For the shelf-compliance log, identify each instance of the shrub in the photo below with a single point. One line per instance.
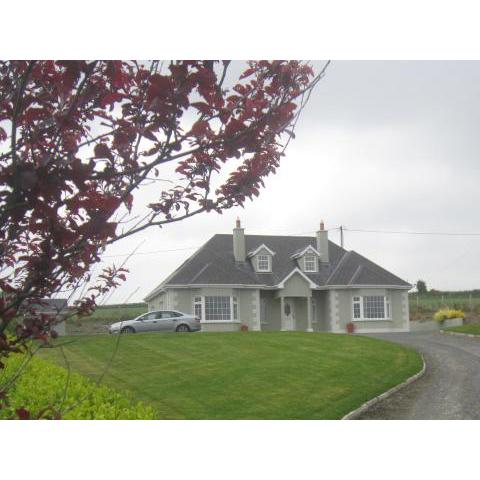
(446, 313)
(44, 389)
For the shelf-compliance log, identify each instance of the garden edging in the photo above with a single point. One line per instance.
(459, 334)
(363, 408)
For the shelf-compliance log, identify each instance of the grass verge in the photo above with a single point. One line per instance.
(472, 328)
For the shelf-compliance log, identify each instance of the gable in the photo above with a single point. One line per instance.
(296, 286)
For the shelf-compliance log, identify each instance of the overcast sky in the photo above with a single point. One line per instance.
(381, 146)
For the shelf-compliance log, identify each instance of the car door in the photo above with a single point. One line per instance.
(167, 321)
(147, 322)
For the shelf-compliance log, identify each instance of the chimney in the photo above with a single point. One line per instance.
(239, 242)
(322, 243)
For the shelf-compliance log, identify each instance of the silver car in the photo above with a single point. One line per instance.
(158, 321)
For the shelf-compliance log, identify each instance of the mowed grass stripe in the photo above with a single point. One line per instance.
(275, 375)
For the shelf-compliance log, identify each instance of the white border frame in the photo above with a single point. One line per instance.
(204, 320)
(386, 301)
(269, 258)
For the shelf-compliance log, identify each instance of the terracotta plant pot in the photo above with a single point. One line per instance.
(244, 328)
(350, 327)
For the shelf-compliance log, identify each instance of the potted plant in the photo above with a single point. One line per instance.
(350, 327)
(244, 328)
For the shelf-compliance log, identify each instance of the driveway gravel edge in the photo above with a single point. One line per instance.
(364, 407)
(459, 334)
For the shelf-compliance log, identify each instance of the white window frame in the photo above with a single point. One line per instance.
(315, 262)
(358, 300)
(234, 309)
(269, 263)
(198, 300)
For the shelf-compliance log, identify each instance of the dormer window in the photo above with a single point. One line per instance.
(310, 262)
(264, 263)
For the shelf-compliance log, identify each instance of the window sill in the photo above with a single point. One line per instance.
(220, 321)
(372, 320)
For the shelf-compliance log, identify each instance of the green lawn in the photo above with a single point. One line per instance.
(473, 328)
(274, 375)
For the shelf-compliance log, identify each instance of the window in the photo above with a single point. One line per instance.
(150, 316)
(356, 308)
(310, 262)
(235, 308)
(170, 314)
(197, 307)
(263, 263)
(374, 307)
(371, 307)
(217, 308)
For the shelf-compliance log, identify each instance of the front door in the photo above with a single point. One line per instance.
(288, 314)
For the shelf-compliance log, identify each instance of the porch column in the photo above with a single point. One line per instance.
(282, 310)
(309, 314)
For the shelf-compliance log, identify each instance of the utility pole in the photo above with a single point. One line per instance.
(341, 236)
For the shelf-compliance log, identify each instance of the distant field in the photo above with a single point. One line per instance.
(467, 301)
(117, 313)
(104, 315)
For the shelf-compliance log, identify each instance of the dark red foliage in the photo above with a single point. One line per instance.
(77, 138)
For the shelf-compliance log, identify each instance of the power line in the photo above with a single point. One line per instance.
(184, 249)
(455, 234)
(341, 228)
(149, 253)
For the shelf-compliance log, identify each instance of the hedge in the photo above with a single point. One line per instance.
(46, 390)
(446, 313)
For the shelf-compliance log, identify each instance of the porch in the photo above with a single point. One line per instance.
(293, 313)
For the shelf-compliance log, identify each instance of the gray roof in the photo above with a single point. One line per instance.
(49, 305)
(214, 263)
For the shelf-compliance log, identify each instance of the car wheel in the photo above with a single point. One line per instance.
(182, 328)
(127, 330)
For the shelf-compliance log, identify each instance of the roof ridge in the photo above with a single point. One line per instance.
(388, 272)
(340, 262)
(356, 274)
(199, 272)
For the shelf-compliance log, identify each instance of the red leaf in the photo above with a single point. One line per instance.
(22, 414)
(148, 134)
(200, 128)
(102, 151)
(110, 99)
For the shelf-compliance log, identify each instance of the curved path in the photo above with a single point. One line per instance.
(450, 388)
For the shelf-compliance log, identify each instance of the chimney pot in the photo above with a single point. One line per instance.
(322, 225)
(237, 223)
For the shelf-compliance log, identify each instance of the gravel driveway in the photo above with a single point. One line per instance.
(450, 388)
